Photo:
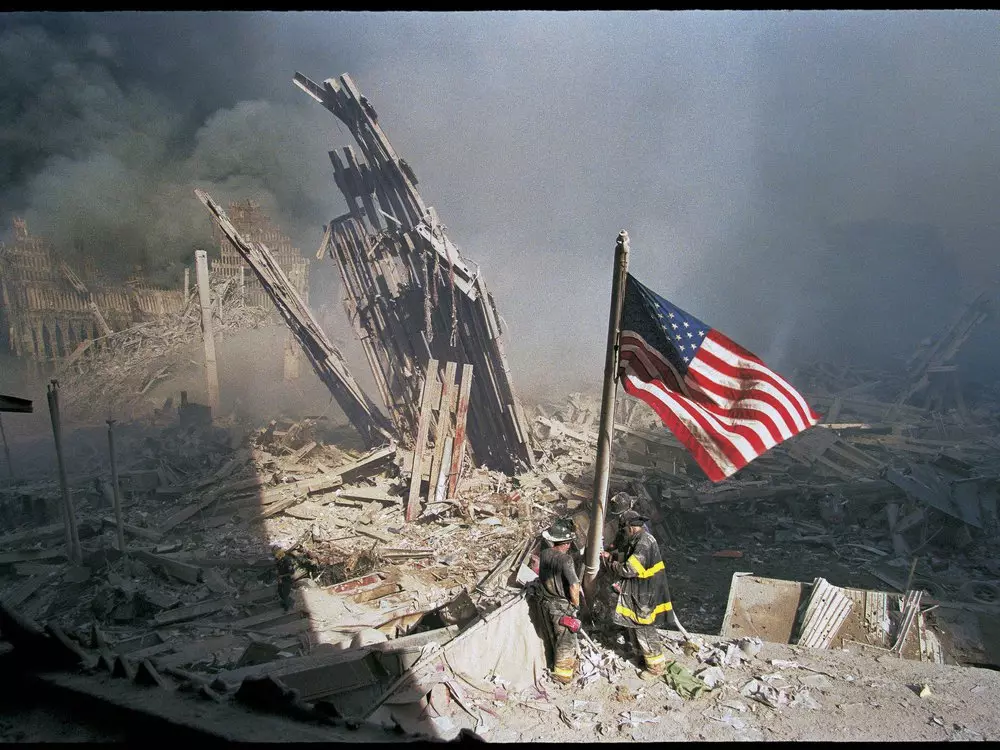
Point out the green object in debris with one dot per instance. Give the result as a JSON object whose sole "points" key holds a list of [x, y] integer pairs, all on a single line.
{"points": [[683, 681]]}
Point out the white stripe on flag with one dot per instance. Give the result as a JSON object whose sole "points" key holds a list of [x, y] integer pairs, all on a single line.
{"points": [[718, 427], [711, 446], [732, 358]]}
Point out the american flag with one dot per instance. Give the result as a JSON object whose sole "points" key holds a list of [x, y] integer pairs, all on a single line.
{"points": [[723, 403]]}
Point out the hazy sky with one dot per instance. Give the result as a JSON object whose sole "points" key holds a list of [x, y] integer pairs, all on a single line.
{"points": [[814, 184]]}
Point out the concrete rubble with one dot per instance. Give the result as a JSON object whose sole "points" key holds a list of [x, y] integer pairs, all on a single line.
{"points": [[285, 567]]}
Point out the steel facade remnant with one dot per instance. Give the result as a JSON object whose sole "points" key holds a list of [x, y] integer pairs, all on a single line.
{"points": [[51, 314], [409, 294]]}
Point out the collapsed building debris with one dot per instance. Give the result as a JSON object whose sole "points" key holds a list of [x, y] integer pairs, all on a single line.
{"points": [[254, 226], [325, 358], [409, 294], [126, 367], [48, 314]]}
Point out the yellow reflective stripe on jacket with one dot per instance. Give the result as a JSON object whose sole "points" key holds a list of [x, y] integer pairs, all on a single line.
{"points": [[643, 572], [626, 612]]}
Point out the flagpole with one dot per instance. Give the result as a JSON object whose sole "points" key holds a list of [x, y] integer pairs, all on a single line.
{"points": [[602, 473]]}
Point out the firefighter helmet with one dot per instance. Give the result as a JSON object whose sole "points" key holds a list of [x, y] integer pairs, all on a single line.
{"points": [[559, 532], [632, 518]]}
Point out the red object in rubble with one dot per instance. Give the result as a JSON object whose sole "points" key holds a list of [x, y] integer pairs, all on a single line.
{"points": [[571, 623]]}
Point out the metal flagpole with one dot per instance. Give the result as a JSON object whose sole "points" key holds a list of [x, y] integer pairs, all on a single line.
{"points": [[602, 473]]}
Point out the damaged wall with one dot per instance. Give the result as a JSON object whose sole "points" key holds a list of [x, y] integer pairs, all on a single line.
{"points": [[48, 310]]}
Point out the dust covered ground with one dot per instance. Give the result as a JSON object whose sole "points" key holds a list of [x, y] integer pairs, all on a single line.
{"points": [[834, 695]]}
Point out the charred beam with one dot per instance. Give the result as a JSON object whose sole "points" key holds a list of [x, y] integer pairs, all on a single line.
{"points": [[325, 358]]}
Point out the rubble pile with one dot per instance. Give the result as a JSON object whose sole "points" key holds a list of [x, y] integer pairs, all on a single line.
{"points": [[124, 367]]}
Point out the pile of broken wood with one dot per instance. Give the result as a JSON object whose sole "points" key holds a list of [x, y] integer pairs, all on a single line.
{"points": [[124, 367]]}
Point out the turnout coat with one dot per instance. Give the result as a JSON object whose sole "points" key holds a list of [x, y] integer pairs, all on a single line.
{"points": [[644, 599]]}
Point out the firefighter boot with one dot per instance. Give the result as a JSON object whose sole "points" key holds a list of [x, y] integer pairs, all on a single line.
{"points": [[564, 670], [655, 665]]}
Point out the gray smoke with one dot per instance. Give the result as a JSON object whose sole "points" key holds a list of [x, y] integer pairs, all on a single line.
{"points": [[814, 184]]}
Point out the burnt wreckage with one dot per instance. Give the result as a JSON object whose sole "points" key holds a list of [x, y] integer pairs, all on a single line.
{"points": [[409, 294]]}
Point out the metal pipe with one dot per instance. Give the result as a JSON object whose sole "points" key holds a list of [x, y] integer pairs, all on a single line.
{"points": [[74, 552], [115, 487], [602, 473], [211, 371], [6, 450]]}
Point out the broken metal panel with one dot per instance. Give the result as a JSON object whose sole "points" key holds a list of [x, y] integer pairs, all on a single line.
{"points": [[935, 354], [325, 358], [782, 611], [409, 293]]}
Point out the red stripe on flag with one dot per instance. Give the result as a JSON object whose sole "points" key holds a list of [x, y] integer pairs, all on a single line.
{"points": [[680, 430], [707, 432], [715, 421], [764, 374]]}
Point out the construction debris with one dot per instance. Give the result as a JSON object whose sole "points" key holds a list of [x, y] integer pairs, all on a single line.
{"points": [[409, 294]]}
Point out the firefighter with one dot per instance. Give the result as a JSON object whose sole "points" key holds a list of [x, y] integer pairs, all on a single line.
{"points": [[643, 594], [557, 596]]}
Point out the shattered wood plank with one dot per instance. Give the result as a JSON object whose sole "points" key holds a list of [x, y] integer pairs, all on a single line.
{"points": [[35, 569], [180, 570], [364, 466], [268, 618], [9, 558], [443, 427], [198, 651], [379, 494], [461, 417], [426, 403], [302, 452], [52, 531], [23, 591], [152, 535], [378, 592], [192, 612], [354, 583], [275, 508], [190, 511], [557, 484], [305, 512]]}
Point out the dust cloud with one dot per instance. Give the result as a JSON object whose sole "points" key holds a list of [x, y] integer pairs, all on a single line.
{"points": [[817, 185]]}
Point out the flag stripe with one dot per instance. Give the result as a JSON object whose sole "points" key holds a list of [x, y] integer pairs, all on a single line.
{"points": [[716, 468], [753, 420], [734, 440], [722, 402], [737, 356], [734, 381]]}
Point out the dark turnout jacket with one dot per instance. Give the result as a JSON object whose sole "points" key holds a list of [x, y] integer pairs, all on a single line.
{"points": [[645, 597]]}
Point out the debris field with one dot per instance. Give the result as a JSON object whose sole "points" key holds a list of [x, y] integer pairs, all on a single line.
{"points": [[367, 574]]}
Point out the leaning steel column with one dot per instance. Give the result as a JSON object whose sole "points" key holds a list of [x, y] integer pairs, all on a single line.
{"points": [[602, 473], [115, 487], [73, 551], [211, 369]]}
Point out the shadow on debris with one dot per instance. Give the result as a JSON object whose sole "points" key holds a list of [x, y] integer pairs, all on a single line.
{"points": [[262, 571]]}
